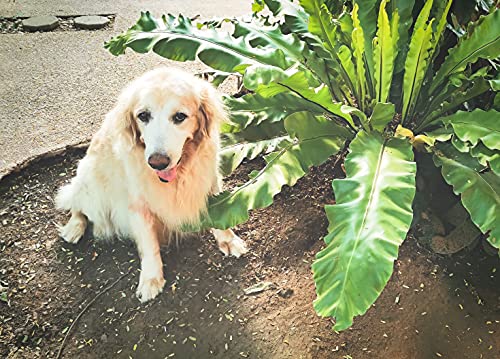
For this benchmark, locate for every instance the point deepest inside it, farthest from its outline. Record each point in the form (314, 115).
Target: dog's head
(169, 113)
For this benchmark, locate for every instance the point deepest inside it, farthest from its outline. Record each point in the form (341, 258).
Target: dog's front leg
(151, 281)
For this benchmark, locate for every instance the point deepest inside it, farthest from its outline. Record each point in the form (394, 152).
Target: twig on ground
(59, 353)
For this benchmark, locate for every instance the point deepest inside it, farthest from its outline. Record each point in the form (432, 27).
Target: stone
(40, 23)
(91, 22)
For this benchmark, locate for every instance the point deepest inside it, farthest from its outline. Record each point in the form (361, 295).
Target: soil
(434, 306)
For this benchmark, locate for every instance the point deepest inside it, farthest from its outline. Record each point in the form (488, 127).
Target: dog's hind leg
(229, 242)
(75, 228)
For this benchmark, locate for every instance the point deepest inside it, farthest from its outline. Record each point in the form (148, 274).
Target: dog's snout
(158, 161)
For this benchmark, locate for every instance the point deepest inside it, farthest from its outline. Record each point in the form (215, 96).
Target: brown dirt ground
(433, 306)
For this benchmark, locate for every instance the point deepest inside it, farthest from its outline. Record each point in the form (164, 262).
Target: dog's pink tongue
(168, 175)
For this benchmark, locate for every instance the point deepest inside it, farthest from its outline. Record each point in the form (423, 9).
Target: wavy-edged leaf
(452, 99)
(487, 157)
(384, 53)
(423, 16)
(314, 140)
(232, 156)
(439, 29)
(300, 85)
(118, 44)
(441, 134)
(344, 55)
(295, 18)
(367, 14)
(476, 125)
(382, 114)
(296, 51)
(460, 145)
(395, 36)
(368, 223)
(177, 39)
(346, 26)
(253, 109)
(260, 35)
(254, 76)
(319, 35)
(263, 131)
(358, 46)
(289, 11)
(335, 77)
(422, 97)
(349, 110)
(417, 60)
(479, 192)
(320, 22)
(323, 59)
(484, 42)
(324, 44)
(404, 9)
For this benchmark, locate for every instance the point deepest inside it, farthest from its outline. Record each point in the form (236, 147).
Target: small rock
(40, 23)
(104, 338)
(91, 22)
(285, 293)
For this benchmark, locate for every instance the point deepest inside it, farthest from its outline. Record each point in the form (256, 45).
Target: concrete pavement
(56, 87)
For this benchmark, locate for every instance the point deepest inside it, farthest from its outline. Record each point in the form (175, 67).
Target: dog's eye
(179, 117)
(144, 116)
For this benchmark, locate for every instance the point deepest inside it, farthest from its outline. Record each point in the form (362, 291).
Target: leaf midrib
(297, 92)
(365, 216)
(448, 73)
(471, 55)
(418, 67)
(227, 48)
(323, 28)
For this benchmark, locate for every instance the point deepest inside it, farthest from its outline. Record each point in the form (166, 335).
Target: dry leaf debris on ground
(433, 306)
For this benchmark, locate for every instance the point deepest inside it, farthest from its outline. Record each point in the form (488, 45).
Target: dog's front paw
(149, 288)
(234, 246)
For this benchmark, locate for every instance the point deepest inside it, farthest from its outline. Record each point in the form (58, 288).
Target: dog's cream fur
(121, 194)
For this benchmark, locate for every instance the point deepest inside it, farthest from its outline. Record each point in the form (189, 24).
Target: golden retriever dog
(149, 170)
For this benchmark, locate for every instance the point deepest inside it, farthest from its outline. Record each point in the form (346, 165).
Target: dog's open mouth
(167, 175)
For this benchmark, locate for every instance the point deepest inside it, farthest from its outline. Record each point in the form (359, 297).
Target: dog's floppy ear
(212, 112)
(123, 119)
(132, 129)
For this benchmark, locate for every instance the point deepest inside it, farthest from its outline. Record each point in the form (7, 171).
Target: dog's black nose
(158, 161)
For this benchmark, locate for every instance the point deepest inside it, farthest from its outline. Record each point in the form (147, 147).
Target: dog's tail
(64, 197)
